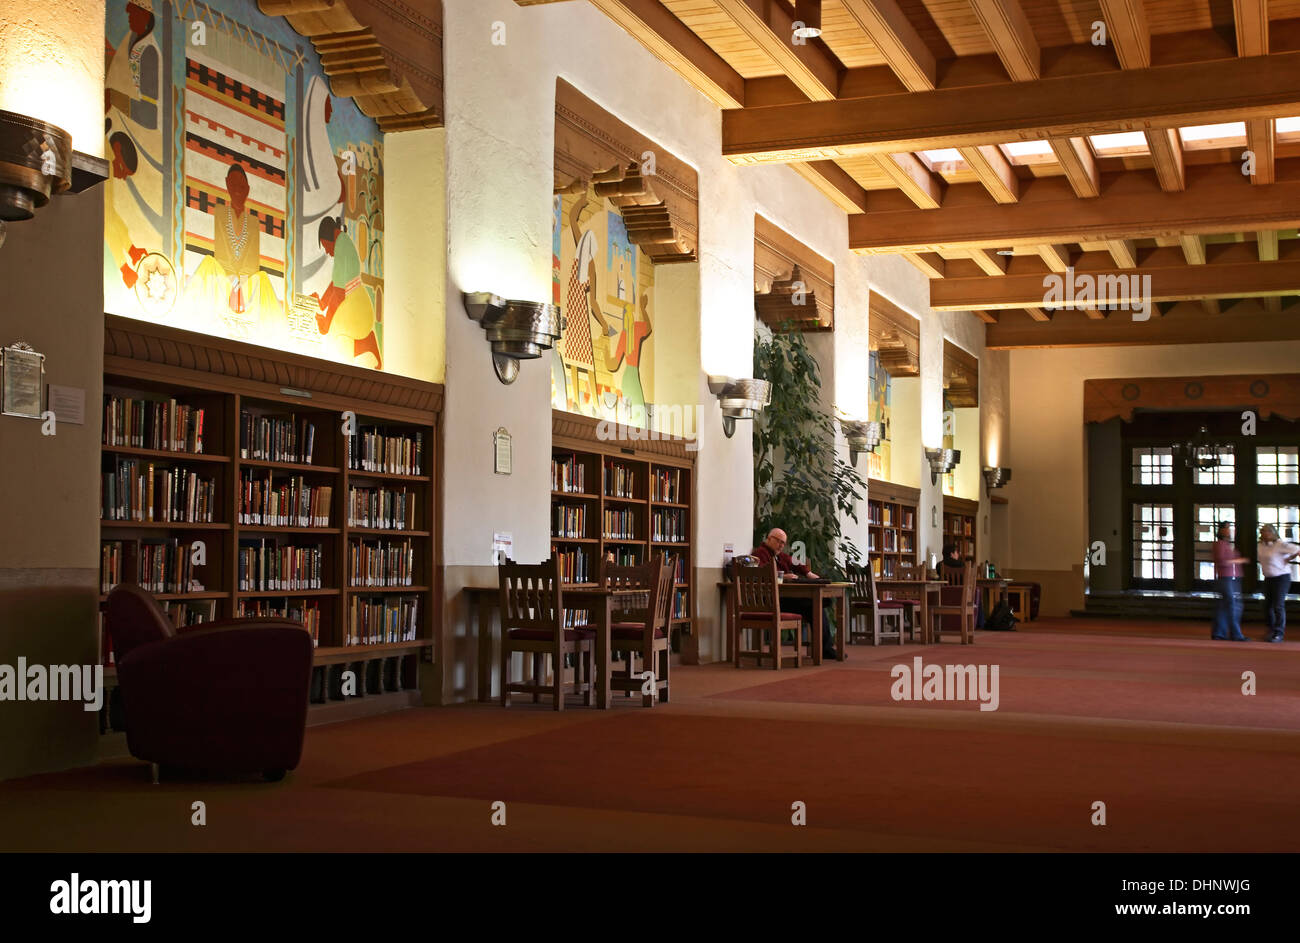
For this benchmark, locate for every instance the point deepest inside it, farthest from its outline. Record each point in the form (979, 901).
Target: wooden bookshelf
(315, 535)
(959, 515)
(631, 498)
(891, 526)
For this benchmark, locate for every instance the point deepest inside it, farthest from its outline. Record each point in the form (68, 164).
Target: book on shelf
(373, 450)
(619, 480)
(138, 490)
(569, 521)
(381, 563)
(267, 565)
(292, 502)
(680, 610)
(568, 474)
(382, 508)
(161, 425)
(576, 618)
(625, 556)
(620, 524)
(679, 568)
(276, 438)
(111, 560)
(183, 612)
(666, 485)
(575, 565)
(305, 611)
(165, 566)
(669, 526)
(379, 620)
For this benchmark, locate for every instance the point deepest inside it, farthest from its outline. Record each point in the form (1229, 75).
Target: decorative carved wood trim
(386, 55)
(879, 490)
(961, 376)
(1269, 395)
(895, 335)
(263, 371)
(661, 210)
(781, 265)
(570, 430)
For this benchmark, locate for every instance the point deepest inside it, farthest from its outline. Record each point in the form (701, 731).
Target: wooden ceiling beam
(1193, 248)
(994, 171)
(1166, 149)
(1186, 323)
(909, 173)
(988, 317)
(835, 183)
(1008, 29)
(675, 44)
(1039, 314)
(1251, 20)
(931, 264)
(1123, 252)
(1266, 245)
(1154, 98)
(1121, 286)
(989, 262)
(1074, 155)
(1056, 257)
(770, 26)
(897, 41)
(1217, 199)
(1127, 32)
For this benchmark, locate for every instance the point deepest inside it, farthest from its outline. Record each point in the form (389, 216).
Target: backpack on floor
(1001, 619)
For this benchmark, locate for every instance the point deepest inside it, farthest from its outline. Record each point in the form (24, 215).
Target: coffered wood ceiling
(971, 137)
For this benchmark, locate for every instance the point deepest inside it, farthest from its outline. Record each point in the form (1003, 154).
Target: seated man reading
(773, 548)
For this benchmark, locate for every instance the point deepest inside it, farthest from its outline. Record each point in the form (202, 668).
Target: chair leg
(666, 662)
(537, 675)
(505, 676)
(735, 634)
(588, 661)
(557, 680)
(776, 649)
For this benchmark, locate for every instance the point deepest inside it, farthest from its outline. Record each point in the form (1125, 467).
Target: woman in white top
(1275, 559)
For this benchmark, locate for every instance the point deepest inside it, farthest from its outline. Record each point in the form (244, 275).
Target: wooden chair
(912, 607)
(757, 609)
(532, 622)
(643, 632)
(866, 606)
(956, 605)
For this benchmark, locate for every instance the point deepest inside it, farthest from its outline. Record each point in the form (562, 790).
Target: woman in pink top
(1227, 573)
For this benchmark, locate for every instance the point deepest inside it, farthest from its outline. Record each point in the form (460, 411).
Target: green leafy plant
(801, 483)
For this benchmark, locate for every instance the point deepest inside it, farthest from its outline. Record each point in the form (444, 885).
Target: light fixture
(1202, 452)
(1006, 252)
(941, 462)
(35, 163)
(996, 477)
(517, 330)
(808, 16)
(740, 399)
(862, 437)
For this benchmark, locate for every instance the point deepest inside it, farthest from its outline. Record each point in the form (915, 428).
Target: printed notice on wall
(23, 373)
(68, 404)
(502, 457)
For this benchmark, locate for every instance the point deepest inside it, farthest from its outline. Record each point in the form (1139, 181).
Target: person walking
(1227, 573)
(1275, 558)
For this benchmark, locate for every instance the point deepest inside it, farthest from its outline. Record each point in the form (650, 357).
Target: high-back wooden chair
(532, 622)
(756, 612)
(867, 608)
(955, 613)
(644, 632)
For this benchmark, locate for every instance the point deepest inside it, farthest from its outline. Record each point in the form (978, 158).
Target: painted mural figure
(635, 331)
(579, 354)
(346, 307)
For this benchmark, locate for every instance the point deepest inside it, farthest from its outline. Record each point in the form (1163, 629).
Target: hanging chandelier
(1202, 452)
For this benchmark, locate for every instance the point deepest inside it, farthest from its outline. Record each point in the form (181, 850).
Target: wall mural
(245, 200)
(604, 284)
(879, 465)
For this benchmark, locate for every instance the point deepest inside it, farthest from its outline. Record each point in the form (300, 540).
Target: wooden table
(818, 593)
(920, 590)
(595, 599)
(988, 588)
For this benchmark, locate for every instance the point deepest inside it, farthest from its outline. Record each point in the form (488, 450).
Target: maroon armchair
(227, 696)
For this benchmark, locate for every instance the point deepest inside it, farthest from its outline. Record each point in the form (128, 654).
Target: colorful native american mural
(244, 200)
(604, 284)
(878, 465)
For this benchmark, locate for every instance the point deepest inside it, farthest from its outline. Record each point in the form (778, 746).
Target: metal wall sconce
(517, 330)
(862, 437)
(740, 399)
(996, 477)
(36, 162)
(941, 462)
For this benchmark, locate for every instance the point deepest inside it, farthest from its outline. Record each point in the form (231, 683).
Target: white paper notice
(68, 403)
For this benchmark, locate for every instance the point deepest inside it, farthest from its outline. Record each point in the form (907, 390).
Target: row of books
(569, 521)
(885, 516)
(620, 524)
(381, 619)
(112, 559)
(576, 618)
(382, 508)
(276, 438)
(179, 612)
(962, 527)
(295, 610)
(568, 474)
(166, 566)
(669, 525)
(291, 502)
(619, 480)
(267, 565)
(679, 568)
(381, 563)
(163, 425)
(396, 454)
(680, 610)
(138, 491)
(666, 485)
(575, 565)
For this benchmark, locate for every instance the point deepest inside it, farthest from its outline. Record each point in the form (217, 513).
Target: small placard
(68, 403)
(503, 457)
(502, 547)
(23, 377)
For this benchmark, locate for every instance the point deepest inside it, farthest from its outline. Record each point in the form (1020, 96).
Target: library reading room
(649, 426)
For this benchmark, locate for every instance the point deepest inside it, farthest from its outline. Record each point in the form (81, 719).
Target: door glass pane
(1153, 541)
(1208, 517)
(1224, 474)
(1153, 466)
(1277, 465)
(1285, 518)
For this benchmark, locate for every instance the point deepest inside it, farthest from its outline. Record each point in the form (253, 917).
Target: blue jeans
(1227, 618)
(1275, 589)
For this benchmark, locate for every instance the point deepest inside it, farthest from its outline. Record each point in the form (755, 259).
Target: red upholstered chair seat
(545, 635)
(767, 616)
(891, 604)
(630, 631)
